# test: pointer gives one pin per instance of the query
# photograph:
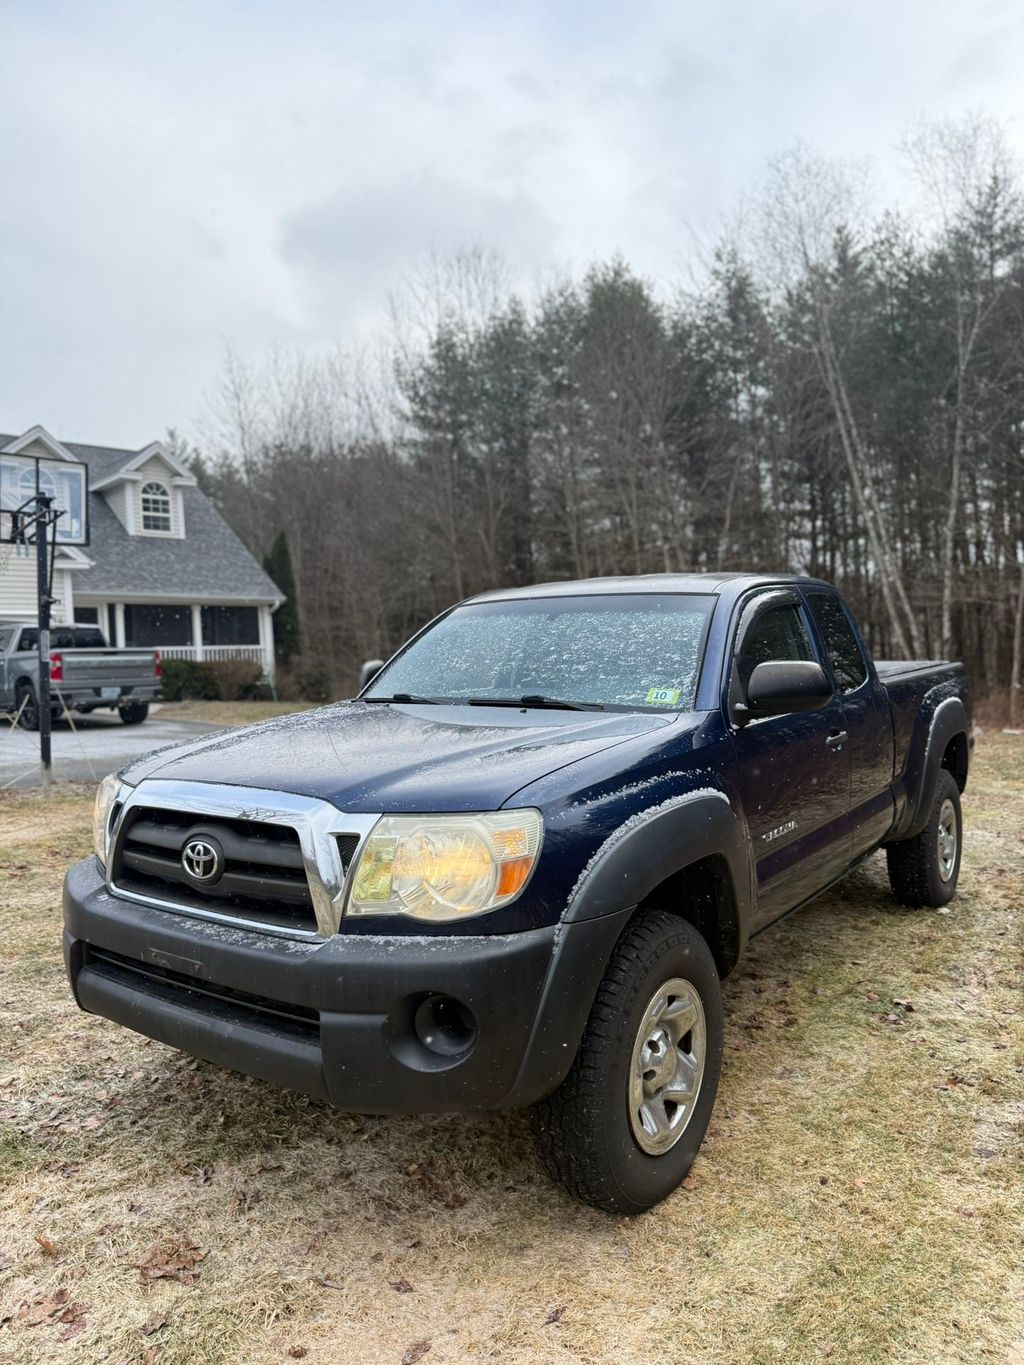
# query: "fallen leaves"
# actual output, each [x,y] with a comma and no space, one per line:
[56,1309]
[174,1257]
[31,1314]
[401,1286]
[416,1351]
[48,1248]
[423,1174]
[153,1323]
[329,1283]
[555,1315]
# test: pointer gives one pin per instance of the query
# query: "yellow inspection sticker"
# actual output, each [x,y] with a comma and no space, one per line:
[662,696]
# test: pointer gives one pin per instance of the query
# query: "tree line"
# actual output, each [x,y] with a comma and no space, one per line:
[842,395]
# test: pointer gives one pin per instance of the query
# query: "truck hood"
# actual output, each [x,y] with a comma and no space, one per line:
[369,757]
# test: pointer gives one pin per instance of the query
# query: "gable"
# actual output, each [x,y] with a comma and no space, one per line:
[37,441]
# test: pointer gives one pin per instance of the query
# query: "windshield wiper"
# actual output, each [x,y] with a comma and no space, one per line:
[535,700]
[408,697]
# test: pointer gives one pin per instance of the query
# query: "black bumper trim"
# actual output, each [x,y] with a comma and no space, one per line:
[530,994]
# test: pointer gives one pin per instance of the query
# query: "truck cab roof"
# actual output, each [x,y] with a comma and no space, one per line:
[699,583]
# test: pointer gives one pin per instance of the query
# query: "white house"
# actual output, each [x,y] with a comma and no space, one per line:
[162,567]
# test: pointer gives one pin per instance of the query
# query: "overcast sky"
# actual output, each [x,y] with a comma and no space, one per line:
[179,176]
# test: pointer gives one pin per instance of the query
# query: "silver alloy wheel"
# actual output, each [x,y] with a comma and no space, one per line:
[667,1066]
[947,839]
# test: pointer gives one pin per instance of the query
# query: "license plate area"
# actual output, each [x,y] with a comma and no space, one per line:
[110,693]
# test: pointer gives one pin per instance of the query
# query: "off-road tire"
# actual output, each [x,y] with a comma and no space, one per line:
[914,864]
[582,1131]
[26,702]
[134,713]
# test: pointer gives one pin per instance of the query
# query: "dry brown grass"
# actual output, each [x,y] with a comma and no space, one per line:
[231,712]
[858,1199]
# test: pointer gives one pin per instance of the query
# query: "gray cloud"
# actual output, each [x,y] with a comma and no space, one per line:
[178,174]
[351,248]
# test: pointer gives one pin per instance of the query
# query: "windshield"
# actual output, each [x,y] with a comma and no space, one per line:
[639,650]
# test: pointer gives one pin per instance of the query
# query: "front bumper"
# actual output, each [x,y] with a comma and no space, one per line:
[335,1019]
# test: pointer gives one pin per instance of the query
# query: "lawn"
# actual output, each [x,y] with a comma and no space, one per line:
[859,1197]
[231,712]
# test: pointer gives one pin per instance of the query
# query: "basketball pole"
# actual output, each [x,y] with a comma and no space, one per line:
[43,503]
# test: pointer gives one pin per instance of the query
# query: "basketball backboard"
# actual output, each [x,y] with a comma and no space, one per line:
[22,476]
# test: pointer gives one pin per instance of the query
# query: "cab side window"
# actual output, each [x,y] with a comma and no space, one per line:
[840,642]
[777,634]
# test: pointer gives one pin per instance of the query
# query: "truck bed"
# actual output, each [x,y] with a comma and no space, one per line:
[892,670]
[908,682]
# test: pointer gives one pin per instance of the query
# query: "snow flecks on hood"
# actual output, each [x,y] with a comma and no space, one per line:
[387,757]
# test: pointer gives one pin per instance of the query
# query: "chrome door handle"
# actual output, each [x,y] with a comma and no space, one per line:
[837,739]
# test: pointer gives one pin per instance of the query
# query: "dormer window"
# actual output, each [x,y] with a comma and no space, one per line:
[156,508]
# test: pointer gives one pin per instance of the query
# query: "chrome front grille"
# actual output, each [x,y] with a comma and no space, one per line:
[280,861]
[264,876]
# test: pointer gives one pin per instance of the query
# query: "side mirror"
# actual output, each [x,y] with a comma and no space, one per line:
[369,671]
[777,689]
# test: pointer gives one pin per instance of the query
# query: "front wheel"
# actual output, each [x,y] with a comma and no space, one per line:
[623,1128]
[27,707]
[924,870]
[134,713]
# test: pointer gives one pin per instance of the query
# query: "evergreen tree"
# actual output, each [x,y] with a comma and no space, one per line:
[287,634]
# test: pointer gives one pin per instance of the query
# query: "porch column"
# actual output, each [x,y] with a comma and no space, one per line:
[266,640]
[119,624]
[197,631]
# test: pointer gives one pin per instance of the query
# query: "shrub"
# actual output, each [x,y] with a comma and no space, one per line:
[181,679]
[306,679]
[231,679]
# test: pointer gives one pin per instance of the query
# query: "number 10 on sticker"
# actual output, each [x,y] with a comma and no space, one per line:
[662,696]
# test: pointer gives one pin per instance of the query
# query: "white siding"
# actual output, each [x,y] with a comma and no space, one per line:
[18,588]
[117,501]
[156,469]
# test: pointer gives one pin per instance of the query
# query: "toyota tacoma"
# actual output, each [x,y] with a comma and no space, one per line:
[513,871]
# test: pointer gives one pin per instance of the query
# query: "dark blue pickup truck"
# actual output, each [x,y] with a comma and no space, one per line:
[513,871]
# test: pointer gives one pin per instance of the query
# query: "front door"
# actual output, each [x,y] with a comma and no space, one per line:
[868,722]
[793,770]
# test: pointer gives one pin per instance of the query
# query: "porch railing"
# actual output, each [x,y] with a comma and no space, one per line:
[215,654]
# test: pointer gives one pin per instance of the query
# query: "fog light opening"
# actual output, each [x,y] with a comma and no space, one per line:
[444,1025]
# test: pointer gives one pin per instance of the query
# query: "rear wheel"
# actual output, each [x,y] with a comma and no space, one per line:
[26,706]
[623,1128]
[924,870]
[134,713]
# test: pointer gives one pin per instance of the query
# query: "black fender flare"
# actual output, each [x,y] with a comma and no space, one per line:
[924,763]
[642,853]
[654,845]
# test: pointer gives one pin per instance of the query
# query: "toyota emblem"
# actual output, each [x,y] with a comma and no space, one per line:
[202,860]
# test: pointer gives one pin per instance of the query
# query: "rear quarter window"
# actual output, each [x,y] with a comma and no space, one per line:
[840,642]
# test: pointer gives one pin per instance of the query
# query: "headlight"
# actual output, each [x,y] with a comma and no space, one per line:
[444,867]
[106,796]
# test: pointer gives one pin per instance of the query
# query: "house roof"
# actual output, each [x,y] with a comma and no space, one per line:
[210,563]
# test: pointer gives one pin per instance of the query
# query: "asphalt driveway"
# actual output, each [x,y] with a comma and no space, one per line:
[98,744]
